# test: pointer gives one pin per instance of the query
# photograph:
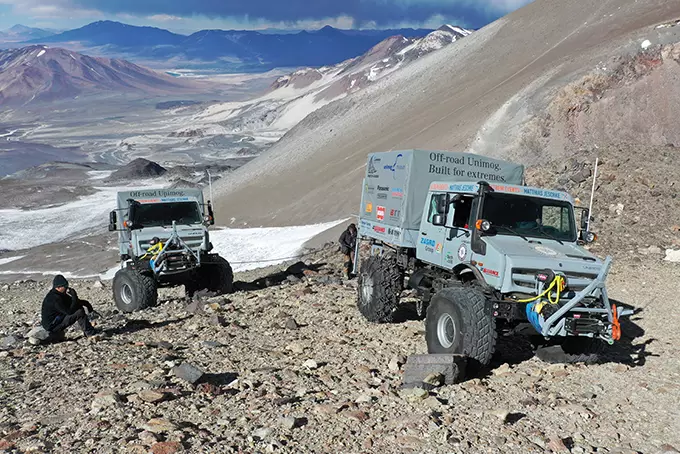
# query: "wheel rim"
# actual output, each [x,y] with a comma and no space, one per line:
[126,294]
[366,289]
[446,330]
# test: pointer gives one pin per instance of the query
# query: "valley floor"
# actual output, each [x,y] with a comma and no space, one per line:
[295,368]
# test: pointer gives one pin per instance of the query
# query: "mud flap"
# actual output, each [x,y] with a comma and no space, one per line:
[419,367]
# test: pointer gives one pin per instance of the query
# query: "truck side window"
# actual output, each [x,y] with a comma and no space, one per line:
[462,215]
[433,208]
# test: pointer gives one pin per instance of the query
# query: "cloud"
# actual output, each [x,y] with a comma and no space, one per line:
[164,18]
[379,12]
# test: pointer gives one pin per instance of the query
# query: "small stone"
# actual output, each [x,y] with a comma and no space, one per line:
[212,344]
[364,399]
[139,385]
[291,324]
[311,364]
[434,380]
[667,449]
[409,442]
[367,444]
[415,394]
[195,308]
[289,423]
[262,433]
[106,399]
[188,372]
[98,285]
[38,333]
[358,415]
[501,413]
[5,288]
[396,362]
[218,320]
[151,397]
[557,445]
[159,426]
[147,438]
[295,348]
[167,447]
[9,342]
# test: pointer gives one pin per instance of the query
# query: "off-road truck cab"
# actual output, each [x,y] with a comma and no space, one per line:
[482,255]
[164,241]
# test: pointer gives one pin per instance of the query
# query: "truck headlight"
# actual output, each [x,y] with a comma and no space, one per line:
[483,225]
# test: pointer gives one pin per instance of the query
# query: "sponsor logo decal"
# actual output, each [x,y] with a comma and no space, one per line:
[383,188]
[372,170]
[462,252]
[428,242]
[397,193]
[369,189]
[369,207]
[396,166]
[380,213]
[382,196]
[439,248]
[379,229]
[394,232]
[493,273]
[395,214]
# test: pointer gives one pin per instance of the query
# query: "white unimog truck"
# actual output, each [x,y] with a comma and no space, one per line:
[164,241]
[484,253]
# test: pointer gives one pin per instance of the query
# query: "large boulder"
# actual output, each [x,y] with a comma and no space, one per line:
[138,169]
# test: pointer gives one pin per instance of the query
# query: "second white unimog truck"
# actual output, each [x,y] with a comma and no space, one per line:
[484,254]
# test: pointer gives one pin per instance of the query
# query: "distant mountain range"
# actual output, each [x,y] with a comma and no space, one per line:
[227,49]
[37,73]
[21,33]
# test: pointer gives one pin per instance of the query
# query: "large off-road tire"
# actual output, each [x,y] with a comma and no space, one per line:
[457,322]
[219,277]
[215,275]
[572,350]
[379,288]
[133,291]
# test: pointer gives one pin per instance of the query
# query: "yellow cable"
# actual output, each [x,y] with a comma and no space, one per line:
[561,285]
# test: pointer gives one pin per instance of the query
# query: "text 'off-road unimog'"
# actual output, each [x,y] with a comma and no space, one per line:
[483,252]
[164,241]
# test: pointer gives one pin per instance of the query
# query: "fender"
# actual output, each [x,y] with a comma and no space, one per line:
[464,268]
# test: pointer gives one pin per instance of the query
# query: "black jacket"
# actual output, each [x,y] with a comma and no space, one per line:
[57,305]
[348,241]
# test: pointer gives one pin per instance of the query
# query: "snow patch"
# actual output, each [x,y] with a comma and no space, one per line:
[11,259]
[645,44]
[248,249]
[21,229]
[41,53]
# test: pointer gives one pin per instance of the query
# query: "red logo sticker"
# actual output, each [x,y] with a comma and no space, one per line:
[380,213]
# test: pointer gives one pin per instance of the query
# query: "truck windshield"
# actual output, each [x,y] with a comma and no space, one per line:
[530,216]
[162,214]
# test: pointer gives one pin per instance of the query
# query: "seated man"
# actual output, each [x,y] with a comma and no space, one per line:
[62,308]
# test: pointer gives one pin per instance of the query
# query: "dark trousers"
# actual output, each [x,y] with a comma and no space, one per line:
[349,265]
[63,322]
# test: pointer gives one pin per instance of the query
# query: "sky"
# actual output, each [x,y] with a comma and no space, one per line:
[192,15]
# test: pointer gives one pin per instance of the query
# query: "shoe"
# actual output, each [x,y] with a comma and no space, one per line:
[91,332]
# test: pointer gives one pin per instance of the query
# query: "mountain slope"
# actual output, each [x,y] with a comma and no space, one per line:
[455,99]
[244,48]
[294,96]
[38,73]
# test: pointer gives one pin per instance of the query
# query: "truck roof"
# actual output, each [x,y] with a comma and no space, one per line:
[160,195]
[529,191]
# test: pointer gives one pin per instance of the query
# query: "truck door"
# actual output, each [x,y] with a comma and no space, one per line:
[458,231]
[431,239]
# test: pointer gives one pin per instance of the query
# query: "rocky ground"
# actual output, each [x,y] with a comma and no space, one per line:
[289,365]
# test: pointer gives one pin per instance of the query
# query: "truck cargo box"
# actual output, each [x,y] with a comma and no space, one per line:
[397,182]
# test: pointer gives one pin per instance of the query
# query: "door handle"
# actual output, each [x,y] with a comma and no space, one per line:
[423,233]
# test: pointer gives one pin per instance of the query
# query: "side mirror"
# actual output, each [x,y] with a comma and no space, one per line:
[113,220]
[439,220]
[442,203]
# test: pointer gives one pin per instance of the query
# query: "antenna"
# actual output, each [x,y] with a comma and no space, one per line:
[210,183]
[592,194]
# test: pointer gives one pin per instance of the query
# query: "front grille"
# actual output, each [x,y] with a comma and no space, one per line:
[526,277]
